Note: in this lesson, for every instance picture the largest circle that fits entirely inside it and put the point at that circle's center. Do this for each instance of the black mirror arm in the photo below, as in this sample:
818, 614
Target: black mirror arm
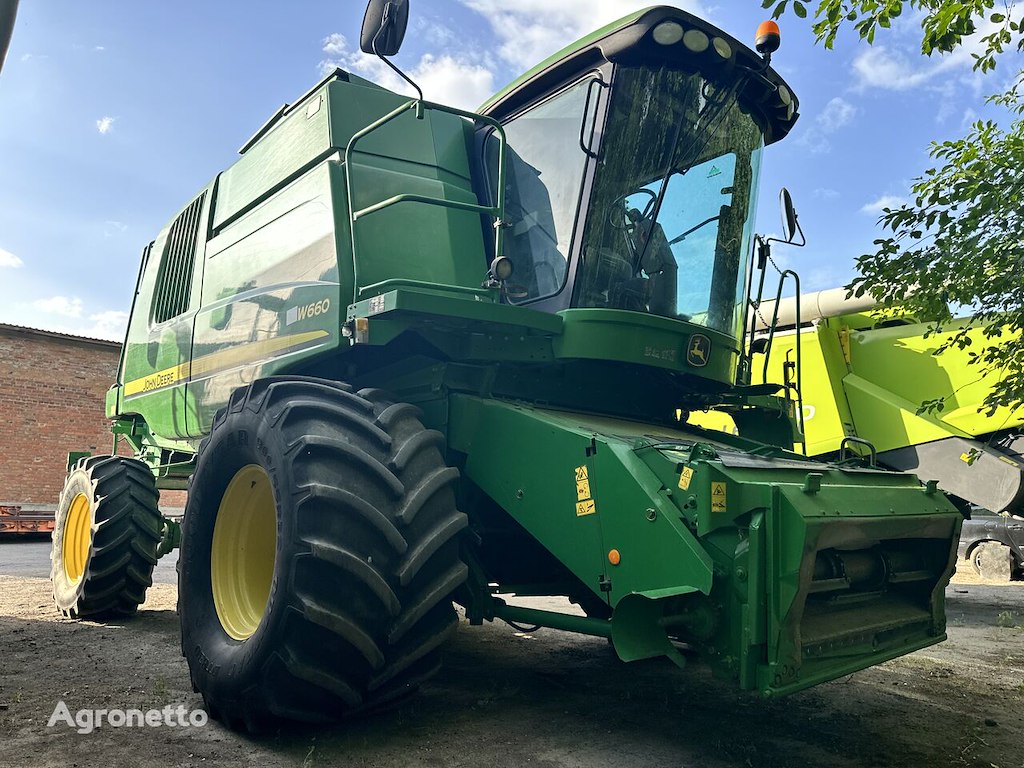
419, 91
800, 231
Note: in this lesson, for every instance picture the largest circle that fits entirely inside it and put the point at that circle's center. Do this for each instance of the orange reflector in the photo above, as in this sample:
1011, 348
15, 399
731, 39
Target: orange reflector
614, 557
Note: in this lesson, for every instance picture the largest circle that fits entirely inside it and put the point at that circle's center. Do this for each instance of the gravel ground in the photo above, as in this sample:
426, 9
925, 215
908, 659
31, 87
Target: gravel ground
508, 699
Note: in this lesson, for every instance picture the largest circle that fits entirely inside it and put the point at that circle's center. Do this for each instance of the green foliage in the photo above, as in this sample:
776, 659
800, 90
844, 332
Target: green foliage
944, 25
960, 242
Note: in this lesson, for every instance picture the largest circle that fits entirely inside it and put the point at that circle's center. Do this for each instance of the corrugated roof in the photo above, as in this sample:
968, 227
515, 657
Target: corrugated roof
24, 329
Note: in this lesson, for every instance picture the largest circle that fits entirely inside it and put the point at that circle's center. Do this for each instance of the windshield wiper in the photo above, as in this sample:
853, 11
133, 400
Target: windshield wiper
713, 109
693, 229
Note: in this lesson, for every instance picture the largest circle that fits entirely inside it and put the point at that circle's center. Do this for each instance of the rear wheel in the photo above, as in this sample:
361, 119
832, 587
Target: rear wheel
976, 557
319, 554
105, 538
992, 561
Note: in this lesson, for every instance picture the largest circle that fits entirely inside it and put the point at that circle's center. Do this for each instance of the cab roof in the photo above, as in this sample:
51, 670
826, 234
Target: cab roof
630, 40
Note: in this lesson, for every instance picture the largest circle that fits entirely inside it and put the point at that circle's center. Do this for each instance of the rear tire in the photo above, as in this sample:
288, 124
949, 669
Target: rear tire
992, 561
363, 536
105, 538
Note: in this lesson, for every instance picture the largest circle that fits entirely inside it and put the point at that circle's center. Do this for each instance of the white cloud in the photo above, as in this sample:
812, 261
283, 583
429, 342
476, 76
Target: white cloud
114, 228
824, 193
970, 117
105, 124
60, 305
434, 33
336, 44
903, 69
879, 67
64, 314
110, 324
99, 48
8, 259
446, 79
529, 31
836, 114
885, 201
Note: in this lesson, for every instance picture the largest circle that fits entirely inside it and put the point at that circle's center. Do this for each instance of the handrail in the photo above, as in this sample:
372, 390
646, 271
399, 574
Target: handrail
851, 440
497, 211
799, 360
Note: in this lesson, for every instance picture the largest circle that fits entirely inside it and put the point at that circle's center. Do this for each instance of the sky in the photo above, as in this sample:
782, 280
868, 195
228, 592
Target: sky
113, 113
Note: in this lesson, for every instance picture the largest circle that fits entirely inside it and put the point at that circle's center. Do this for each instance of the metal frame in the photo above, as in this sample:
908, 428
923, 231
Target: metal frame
497, 211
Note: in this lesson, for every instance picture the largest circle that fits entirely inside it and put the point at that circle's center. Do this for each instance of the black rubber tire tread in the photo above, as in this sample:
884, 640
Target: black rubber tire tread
360, 602
125, 525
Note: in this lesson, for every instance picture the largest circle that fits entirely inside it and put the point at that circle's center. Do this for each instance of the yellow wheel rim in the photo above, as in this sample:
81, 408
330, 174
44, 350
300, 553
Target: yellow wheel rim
77, 538
243, 552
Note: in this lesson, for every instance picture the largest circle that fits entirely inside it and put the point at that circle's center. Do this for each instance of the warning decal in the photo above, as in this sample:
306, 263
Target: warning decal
584, 504
685, 477
718, 497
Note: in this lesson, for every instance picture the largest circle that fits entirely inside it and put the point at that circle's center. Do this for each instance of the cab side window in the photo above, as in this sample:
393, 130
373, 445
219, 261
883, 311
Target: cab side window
544, 172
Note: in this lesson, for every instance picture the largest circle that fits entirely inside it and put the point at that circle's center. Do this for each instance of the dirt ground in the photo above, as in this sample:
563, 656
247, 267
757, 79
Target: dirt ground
547, 700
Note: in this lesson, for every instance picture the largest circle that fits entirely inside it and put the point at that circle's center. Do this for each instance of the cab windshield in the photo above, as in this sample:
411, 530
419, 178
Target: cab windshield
671, 213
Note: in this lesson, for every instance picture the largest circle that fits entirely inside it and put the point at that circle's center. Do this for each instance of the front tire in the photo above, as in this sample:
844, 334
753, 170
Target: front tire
105, 538
319, 554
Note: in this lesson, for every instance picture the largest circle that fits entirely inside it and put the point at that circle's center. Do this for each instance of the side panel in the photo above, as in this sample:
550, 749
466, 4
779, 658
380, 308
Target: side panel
270, 297
900, 362
870, 382
416, 240
298, 139
581, 494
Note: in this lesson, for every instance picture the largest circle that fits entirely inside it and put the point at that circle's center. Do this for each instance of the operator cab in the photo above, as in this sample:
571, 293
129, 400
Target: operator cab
632, 168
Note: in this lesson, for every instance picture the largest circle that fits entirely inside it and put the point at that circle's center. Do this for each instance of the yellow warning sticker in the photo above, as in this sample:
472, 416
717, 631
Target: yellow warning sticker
718, 497
587, 507
685, 477
582, 490
584, 504
965, 457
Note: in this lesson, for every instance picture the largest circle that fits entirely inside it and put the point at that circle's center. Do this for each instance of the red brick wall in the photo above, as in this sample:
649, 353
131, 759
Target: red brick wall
52, 390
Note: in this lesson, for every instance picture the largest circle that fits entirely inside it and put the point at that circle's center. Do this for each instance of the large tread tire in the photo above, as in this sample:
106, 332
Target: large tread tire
123, 535
367, 554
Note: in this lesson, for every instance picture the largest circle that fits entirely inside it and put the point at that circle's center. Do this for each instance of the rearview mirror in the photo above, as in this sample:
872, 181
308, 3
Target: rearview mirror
384, 26
789, 225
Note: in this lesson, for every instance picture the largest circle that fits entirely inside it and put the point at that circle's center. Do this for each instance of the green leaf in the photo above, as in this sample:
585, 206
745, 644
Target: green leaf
799, 9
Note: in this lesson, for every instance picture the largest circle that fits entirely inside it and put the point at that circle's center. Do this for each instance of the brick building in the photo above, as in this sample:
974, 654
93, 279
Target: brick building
52, 388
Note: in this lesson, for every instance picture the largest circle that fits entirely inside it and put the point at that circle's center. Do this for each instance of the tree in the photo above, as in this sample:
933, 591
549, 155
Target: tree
959, 244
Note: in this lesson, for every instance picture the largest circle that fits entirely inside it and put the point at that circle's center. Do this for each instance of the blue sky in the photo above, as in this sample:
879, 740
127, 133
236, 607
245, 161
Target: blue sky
114, 112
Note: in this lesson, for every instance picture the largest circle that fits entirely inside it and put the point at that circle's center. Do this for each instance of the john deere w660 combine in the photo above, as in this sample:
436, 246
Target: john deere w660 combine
401, 354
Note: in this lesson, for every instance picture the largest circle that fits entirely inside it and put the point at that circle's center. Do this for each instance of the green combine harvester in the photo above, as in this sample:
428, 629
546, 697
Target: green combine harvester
401, 354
